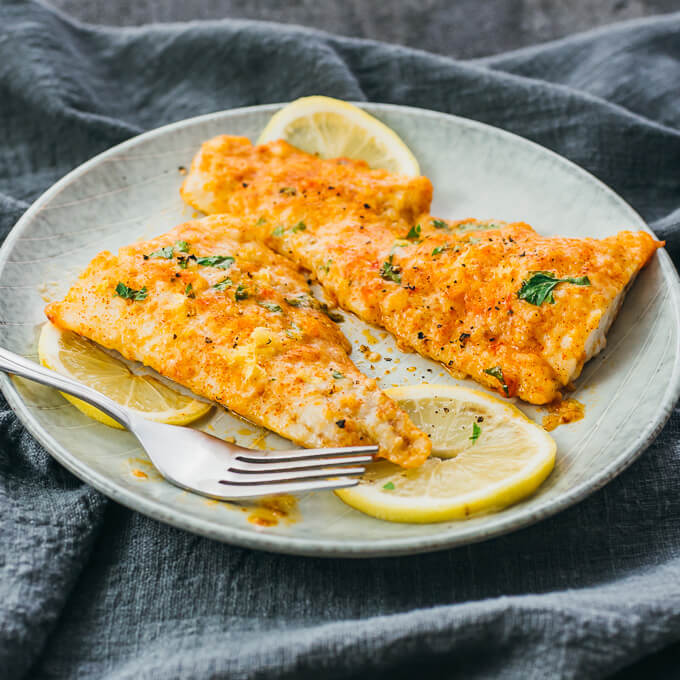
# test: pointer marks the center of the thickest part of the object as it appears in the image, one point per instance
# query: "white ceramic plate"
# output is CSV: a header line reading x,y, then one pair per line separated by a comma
x,y
132,191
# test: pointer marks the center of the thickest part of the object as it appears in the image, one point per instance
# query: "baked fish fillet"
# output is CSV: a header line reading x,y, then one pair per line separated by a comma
x,y
234,322
467,294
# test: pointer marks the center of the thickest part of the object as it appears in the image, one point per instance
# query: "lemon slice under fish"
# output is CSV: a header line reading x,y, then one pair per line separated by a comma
x,y
486,454
74,356
333,128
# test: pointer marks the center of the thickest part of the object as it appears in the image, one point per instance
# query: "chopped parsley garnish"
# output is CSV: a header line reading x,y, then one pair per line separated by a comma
x,y
540,285
279,230
476,431
389,486
390,271
130,293
168,252
183,262
260,222
289,191
497,372
331,314
220,261
189,291
440,249
165,253
440,224
477,226
326,266
337,375
270,306
300,226
300,301
241,293
224,284
414,232
294,331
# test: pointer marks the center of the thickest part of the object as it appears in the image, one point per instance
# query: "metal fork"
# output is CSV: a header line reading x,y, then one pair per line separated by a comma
x,y
205,464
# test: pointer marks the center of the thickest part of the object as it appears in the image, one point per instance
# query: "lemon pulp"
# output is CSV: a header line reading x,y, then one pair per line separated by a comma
x,y
486,455
74,356
333,128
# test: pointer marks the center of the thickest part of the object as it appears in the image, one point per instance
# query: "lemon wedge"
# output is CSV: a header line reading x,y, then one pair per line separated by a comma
x,y
332,128
72,355
486,455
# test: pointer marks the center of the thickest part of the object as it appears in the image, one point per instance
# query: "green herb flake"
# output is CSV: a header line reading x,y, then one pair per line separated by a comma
x,y
337,375
224,284
260,222
182,246
294,331
331,314
270,306
189,291
476,431
440,249
497,372
278,232
241,293
296,302
389,486
289,191
440,224
300,226
326,266
219,261
540,285
130,293
166,253
414,232
390,271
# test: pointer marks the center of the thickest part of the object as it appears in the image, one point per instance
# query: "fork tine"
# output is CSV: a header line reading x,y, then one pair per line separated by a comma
x,y
244,478
276,466
252,456
248,491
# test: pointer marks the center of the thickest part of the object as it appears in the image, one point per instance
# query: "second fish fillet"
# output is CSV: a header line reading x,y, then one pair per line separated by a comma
x,y
518,312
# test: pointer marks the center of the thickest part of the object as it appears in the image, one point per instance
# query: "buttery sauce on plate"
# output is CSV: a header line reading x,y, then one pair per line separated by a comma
x,y
270,510
563,412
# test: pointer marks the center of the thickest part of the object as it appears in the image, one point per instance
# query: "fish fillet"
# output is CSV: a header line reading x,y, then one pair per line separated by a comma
x,y
236,323
447,290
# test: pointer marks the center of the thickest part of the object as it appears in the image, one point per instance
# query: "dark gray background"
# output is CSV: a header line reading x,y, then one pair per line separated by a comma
x,y
457,28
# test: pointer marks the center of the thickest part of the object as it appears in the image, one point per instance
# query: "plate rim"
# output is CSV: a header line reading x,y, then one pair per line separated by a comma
x,y
330,548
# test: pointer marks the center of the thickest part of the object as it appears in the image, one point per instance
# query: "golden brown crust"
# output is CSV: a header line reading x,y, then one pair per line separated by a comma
x,y
453,293
268,353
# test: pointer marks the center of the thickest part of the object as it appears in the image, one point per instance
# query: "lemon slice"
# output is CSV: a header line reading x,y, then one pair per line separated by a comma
x,y
486,455
332,128
72,355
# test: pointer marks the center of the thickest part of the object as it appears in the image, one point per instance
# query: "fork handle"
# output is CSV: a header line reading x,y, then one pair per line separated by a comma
x,y
18,365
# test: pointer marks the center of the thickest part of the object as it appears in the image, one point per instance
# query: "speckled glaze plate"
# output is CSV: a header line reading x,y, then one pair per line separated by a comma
x,y
131,191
